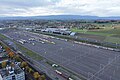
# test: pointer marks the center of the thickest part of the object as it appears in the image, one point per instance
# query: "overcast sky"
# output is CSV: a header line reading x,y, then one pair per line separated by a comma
x,y
59,7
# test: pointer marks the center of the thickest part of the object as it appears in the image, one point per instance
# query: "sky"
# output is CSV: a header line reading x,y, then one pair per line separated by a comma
x,y
102,8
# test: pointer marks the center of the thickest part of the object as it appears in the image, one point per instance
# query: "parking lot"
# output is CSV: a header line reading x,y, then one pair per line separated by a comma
x,y
90,62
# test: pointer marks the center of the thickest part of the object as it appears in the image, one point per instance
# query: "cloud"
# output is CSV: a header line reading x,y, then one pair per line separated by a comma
x,y
57,7
27,3
90,7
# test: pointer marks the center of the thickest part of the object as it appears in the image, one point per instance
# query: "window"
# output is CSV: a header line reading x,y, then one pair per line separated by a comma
x,y
13,77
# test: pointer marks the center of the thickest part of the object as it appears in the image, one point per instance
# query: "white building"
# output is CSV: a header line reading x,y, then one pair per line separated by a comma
x,y
63,31
12,73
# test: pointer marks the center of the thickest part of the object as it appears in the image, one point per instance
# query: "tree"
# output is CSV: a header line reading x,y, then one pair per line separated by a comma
x,y
30,70
11,54
12,64
23,64
27,68
36,75
17,58
4,64
7,49
43,77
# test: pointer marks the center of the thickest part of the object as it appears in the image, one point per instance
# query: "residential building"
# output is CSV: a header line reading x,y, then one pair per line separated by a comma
x,y
12,73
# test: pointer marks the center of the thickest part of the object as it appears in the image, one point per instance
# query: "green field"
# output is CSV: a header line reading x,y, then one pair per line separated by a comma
x,y
110,34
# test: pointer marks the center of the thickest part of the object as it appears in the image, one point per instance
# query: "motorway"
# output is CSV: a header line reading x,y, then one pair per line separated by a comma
x,y
90,62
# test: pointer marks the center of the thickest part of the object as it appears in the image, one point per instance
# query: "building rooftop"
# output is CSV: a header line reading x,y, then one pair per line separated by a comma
x,y
10,70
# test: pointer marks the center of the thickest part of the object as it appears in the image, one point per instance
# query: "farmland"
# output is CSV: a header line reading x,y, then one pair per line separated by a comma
x,y
107,34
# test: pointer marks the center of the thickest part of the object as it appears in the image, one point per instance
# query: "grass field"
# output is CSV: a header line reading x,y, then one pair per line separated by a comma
x,y
29,52
108,34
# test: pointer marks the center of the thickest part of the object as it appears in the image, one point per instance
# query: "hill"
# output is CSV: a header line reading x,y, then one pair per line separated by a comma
x,y
61,17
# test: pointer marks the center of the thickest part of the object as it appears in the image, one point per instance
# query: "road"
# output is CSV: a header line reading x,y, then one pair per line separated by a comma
x,y
80,59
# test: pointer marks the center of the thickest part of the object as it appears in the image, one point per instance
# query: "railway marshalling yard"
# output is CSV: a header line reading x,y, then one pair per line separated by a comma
x,y
90,62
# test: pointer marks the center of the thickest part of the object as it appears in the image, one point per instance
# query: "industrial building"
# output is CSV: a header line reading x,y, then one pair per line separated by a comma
x,y
63,31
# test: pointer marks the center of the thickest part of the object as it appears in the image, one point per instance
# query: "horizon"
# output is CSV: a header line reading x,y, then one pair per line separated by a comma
x,y
52,15
28,8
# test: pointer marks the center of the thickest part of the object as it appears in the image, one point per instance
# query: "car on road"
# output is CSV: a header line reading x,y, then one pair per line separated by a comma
x,y
33,44
54,65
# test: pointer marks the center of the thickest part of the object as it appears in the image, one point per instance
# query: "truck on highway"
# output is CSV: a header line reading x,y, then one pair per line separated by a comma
x,y
58,72
24,40
20,41
63,75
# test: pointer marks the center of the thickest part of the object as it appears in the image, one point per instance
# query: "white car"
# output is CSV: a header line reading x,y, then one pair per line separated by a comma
x,y
33,44
54,65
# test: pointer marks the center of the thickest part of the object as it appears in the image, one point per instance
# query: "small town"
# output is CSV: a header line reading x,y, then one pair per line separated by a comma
x,y
13,67
59,39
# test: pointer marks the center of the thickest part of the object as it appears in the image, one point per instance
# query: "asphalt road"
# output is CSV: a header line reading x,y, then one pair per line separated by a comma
x,y
93,63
